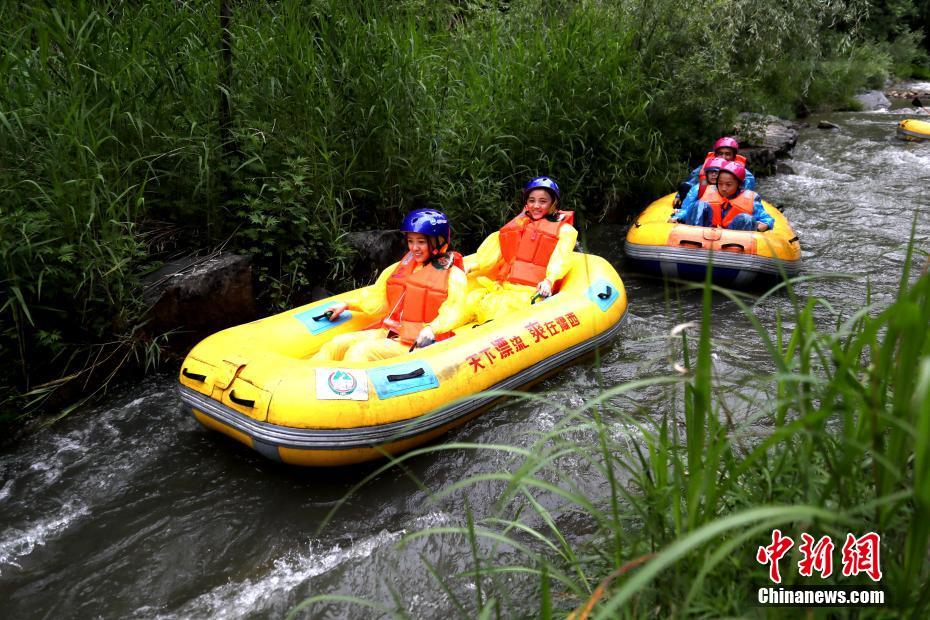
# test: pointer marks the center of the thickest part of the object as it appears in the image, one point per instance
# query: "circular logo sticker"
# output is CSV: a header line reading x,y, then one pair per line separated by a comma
x,y
342,383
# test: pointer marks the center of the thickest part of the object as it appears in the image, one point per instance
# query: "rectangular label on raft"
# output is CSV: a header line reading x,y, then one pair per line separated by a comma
x,y
341,384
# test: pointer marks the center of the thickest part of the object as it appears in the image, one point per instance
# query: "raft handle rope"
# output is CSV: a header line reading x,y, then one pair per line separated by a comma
x,y
413,374
325,315
688,243
728,246
194,375
793,239
241,401
606,294
535,297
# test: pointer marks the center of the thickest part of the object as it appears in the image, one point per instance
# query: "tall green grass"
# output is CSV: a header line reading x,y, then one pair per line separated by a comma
x,y
678,505
114,134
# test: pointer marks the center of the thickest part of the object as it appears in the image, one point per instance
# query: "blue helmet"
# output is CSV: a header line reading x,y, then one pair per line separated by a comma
x,y
542,183
431,223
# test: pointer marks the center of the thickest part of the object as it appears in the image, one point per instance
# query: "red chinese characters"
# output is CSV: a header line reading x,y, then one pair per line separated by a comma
x,y
861,555
502,348
536,331
475,361
817,557
773,553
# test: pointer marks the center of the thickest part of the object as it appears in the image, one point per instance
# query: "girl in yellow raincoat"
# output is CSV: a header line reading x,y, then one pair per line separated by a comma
x,y
423,298
525,258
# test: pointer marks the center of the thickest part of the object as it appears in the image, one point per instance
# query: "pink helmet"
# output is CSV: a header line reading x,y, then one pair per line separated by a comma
x,y
714,163
726,142
736,169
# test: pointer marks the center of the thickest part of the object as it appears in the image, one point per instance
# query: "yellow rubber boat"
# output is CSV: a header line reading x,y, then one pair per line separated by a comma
x,y
256,383
914,130
739,258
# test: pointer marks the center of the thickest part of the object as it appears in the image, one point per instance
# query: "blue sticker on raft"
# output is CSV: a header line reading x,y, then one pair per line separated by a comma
x,y
401,379
316,322
604,294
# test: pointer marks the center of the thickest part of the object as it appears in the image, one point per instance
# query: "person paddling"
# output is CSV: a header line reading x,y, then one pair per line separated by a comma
x,y
422,299
527,257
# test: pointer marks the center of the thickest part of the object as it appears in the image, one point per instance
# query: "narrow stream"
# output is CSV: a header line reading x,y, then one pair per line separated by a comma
x,y
132,510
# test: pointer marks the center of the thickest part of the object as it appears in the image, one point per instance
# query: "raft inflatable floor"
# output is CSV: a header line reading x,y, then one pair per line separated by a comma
x,y
257,384
737,258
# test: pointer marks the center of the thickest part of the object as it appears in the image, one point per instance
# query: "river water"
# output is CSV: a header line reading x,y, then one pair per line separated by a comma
x,y
132,510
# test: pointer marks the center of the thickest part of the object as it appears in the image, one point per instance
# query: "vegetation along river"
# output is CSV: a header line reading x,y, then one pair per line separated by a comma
x,y
133,510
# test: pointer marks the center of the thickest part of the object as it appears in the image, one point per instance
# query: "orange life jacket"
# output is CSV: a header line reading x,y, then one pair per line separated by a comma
x,y
527,245
414,297
710,155
724,209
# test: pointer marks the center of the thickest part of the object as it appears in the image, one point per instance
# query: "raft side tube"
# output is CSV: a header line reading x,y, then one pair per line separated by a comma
x,y
369,436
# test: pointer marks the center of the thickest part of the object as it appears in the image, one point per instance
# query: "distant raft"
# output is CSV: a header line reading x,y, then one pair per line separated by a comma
x,y
257,384
739,258
914,130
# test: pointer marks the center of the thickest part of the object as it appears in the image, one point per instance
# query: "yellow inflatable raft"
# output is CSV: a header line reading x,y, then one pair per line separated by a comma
x,y
738,257
914,130
256,383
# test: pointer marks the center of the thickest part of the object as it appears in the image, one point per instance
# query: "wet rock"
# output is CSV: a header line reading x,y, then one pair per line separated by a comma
x,y
783,168
375,250
873,100
197,296
764,138
827,125
760,160
318,293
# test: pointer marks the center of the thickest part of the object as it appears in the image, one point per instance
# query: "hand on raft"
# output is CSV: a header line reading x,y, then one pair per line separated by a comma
x,y
336,309
544,288
761,227
426,337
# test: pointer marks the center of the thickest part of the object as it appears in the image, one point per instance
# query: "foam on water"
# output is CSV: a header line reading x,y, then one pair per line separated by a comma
x,y
17,542
236,599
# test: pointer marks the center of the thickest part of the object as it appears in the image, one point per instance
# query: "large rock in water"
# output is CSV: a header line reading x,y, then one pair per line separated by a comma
x,y
873,100
375,250
763,139
199,295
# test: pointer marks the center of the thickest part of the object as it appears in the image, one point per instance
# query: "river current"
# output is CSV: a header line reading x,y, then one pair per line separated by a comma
x,y
133,510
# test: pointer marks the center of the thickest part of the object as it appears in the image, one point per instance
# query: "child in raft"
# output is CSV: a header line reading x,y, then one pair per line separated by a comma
x,y
709,177
726,148
728,204
526,257
423,298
